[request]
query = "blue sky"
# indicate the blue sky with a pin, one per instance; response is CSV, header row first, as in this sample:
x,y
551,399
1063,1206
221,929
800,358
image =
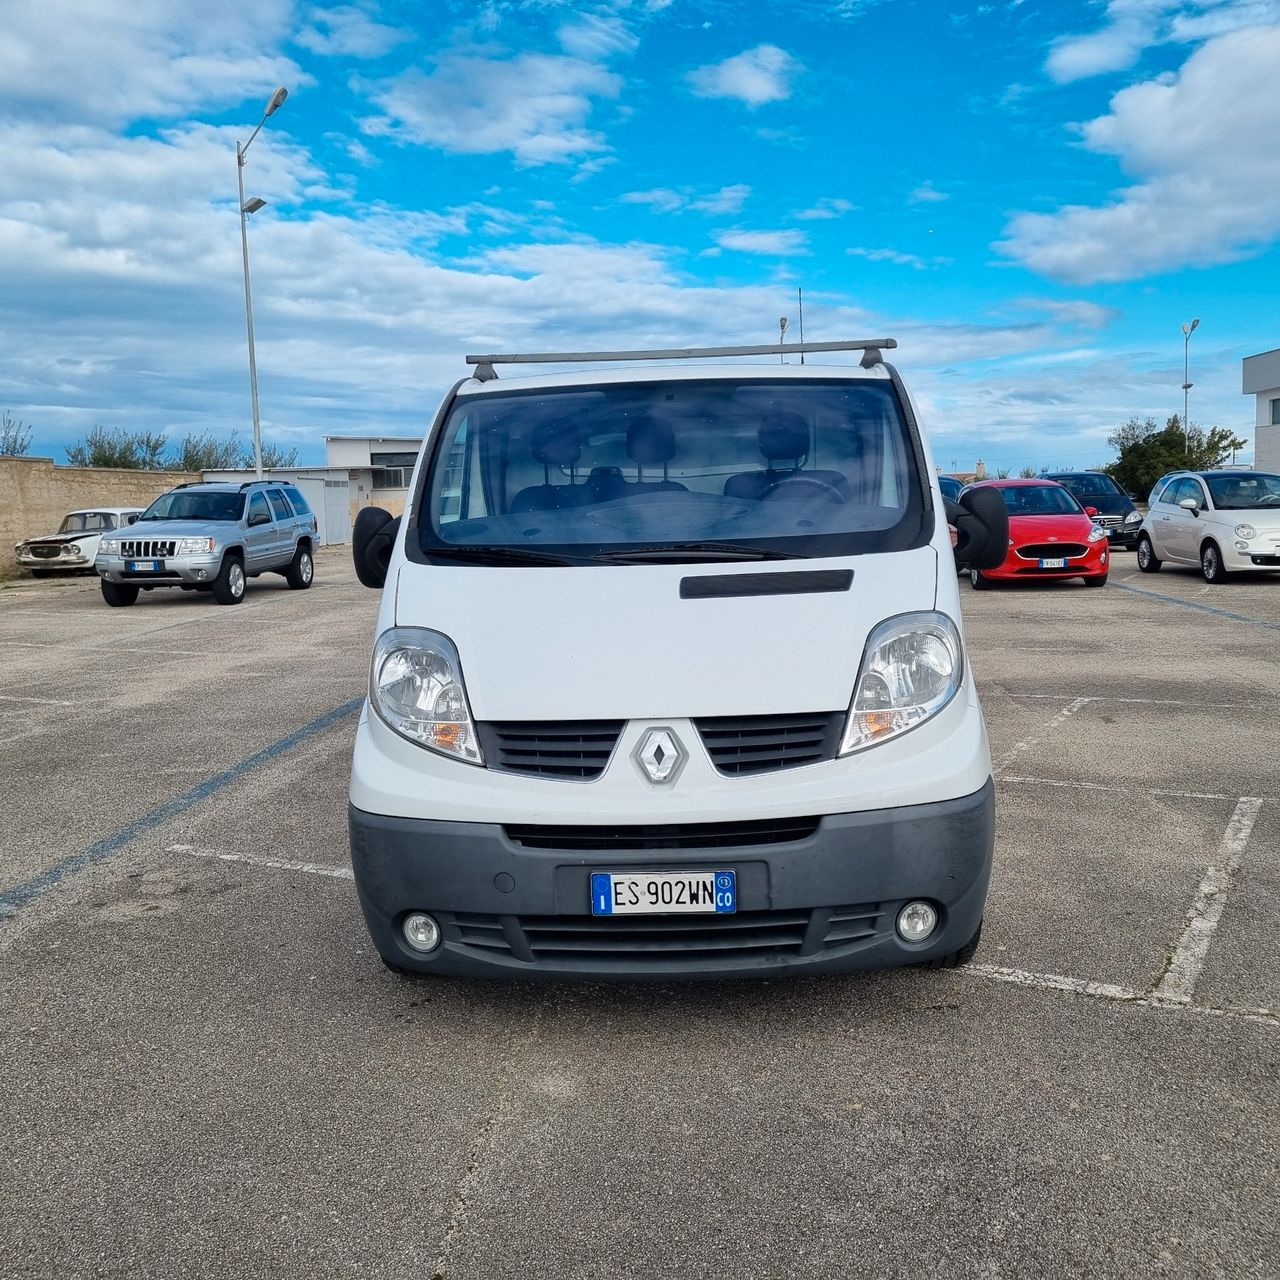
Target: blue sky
x,y
1030,197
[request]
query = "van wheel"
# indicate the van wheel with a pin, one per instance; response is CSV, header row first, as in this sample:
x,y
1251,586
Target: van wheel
x,y
1147,560
118,594
1211,564
978,582
301,569
228,586
958,957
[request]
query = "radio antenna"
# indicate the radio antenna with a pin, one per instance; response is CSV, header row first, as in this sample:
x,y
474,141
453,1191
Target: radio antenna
x,y
800,302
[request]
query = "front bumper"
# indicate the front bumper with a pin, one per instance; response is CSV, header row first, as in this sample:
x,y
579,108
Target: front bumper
x,y
199,570
28,560
1095,561
512,904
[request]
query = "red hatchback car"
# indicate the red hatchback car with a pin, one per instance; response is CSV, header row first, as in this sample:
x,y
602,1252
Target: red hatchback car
x,y
1050,536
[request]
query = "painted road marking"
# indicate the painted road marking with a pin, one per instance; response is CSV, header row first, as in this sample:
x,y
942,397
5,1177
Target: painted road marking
x,y
1027,743
1194,604
262,860
1178,985
14,899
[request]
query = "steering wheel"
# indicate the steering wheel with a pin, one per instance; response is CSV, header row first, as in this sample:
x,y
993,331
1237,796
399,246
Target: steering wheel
x,y
1269,499
825,487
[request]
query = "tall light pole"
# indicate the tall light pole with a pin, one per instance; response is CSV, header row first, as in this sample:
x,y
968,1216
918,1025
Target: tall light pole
x,y
1187,331
246,208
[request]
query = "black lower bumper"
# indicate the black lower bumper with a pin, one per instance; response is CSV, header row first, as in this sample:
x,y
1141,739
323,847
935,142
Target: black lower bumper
x,y
822,896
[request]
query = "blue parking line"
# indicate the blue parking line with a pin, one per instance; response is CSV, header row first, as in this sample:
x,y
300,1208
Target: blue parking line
x,y
14,899
1204,608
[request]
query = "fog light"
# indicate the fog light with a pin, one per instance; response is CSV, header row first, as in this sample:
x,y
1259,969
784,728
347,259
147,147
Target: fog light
x,y
916,921
202,574
421,932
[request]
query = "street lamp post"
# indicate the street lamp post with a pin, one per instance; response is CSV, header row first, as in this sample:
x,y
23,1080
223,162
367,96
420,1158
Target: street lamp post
x,y
1187,331
247,207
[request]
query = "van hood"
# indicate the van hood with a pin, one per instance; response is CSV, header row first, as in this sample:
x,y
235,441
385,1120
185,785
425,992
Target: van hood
x,y
620,642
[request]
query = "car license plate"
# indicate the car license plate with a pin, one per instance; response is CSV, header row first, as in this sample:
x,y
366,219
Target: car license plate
x,y
640,893
1053,564
143,566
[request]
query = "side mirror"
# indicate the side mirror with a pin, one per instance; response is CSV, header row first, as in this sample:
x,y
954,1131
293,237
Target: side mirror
x,y
982,526
373,538
1189,504
1091,511
260,518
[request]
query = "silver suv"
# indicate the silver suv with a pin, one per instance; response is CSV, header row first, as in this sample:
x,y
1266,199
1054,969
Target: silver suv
x,y
211,537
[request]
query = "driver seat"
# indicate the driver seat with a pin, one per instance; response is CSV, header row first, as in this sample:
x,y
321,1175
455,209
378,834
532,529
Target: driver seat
x,y
784,437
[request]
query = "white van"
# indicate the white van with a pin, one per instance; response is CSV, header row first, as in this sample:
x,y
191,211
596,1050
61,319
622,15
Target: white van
x,y
669,677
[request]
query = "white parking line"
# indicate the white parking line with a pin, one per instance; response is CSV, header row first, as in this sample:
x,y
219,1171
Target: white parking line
x,y
261,860
987,694
1185,965
44,702
1027,743
1102,786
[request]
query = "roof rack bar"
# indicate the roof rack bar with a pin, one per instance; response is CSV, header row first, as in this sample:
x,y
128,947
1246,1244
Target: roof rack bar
x,y
485,371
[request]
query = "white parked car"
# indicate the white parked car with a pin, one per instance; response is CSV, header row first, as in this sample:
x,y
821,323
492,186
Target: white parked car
x,y
75,545
1223,521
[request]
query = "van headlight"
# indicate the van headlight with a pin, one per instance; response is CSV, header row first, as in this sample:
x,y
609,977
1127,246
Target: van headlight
x,y
415,686
911,668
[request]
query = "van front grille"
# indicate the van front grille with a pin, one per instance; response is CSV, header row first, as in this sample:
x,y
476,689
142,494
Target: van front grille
x,y
654,941
741,745
695,835
570,749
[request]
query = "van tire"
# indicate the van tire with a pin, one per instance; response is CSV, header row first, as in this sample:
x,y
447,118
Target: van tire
x,y
228,586
961,956
119,594
399,970
301,570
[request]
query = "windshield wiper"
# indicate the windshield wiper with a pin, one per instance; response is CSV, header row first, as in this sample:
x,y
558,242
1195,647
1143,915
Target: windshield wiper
x,y
692,552
484,554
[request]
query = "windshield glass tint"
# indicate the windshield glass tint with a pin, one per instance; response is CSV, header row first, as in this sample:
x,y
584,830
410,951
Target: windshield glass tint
x,y
1086,487
814,463
1039,500
183,504
1244,492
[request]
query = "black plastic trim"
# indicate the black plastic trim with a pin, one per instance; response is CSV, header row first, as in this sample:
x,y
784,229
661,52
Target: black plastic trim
x,y
721,586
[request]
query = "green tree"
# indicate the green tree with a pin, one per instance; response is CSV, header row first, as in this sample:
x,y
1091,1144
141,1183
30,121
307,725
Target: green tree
x,y
15,436
119,447
208,452
1028,473
1147,451
274,455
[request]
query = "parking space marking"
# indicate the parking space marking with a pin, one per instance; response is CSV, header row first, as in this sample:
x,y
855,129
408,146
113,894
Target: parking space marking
x,y
1027,743
1178,984
12,900
1195,604
1070,784
44,702
262,860
987,695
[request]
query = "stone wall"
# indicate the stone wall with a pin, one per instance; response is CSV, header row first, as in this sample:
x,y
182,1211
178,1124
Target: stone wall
x,y
35,495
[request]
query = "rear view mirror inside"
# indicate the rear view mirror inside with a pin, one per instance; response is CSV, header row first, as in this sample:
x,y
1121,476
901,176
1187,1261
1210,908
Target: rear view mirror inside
x,y
372,540
981,522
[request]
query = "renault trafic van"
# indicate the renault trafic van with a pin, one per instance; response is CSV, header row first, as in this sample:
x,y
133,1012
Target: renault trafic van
x,y
669,677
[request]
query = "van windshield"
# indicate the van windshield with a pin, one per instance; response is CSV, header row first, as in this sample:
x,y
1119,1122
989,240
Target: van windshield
x,y
782,466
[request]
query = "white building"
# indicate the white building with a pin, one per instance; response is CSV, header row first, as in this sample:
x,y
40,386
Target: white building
x,y
378,468
1262,380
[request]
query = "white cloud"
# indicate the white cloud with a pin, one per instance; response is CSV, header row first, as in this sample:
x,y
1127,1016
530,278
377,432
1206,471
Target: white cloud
x,y
927,193
1207,190
665,200
534,105
896,256
597,37
825,208
760,75
101,62
1132,26
1073,312
346,31
778,243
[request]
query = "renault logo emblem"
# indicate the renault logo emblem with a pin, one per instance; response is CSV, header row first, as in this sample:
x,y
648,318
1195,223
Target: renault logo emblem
x,y
660,756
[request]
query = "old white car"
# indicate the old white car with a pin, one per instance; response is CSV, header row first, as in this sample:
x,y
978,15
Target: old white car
x,y
75,545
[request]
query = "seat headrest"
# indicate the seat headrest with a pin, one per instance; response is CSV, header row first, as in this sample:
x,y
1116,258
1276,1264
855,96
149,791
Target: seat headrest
x,y
784,436
650,441
556,444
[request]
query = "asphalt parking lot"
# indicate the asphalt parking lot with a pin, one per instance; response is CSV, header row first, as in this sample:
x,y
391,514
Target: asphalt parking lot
x,y
204,1070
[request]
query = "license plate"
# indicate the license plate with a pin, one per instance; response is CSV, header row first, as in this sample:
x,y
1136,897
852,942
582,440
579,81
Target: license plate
x,y
1053,564
646,893
143,566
